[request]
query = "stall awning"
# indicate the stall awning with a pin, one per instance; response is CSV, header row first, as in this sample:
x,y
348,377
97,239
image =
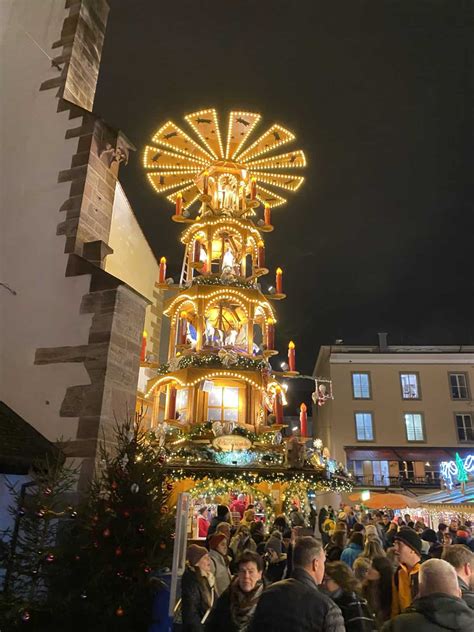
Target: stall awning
x,y
415,453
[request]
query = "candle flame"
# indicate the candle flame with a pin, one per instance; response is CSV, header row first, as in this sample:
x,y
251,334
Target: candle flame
x,y
279,271
303,407
145,335
291,345
260,244
163,260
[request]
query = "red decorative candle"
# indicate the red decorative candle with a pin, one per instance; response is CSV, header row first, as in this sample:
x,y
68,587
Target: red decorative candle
x,y
270,334
179,204
197,251
260,254
253,188
172,403
183,329
267,216
206,183
278,408
143,349
303,420
279,281
291,355
162,272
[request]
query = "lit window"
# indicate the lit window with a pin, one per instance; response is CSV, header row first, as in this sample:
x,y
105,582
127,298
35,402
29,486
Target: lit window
x,y
409,382
361,385
223,404
414,427
458,385
364,427
464,427
182,403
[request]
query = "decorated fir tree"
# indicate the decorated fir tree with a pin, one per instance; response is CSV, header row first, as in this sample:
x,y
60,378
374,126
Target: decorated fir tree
x,y
121,537
39,509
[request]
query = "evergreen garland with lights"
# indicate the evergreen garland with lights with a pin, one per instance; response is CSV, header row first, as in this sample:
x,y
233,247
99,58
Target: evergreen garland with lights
x,y
213,361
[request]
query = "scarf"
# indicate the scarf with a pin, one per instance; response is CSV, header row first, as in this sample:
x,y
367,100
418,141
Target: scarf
x,y
243,605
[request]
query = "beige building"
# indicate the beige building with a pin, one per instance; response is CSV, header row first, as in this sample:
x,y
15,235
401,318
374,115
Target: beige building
x,y
398,411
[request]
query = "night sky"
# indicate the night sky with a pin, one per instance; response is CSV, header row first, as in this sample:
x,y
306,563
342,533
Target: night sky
x,y
379,94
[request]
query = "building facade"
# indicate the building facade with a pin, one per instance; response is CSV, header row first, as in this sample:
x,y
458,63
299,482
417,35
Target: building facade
x,y
77,285
398,411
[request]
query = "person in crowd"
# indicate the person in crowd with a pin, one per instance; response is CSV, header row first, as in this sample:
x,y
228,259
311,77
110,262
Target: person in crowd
x,y
257,532
335,546
322,517
377,588
222,515
287,540
202,523
442,528
235,608
405,580
463,536
249,517
280,524
438,607
372,548
358,528
372,532
353,549
218,547
434,547
242,542
360,568
197,589
385,522
447,538
275,558
224,527
343,588
296,604
420,526
453,527
407,519
391,533
313,514
296,517
462,560
239,505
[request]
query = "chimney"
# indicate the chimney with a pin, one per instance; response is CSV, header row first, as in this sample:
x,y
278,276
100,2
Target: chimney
x,y
383,346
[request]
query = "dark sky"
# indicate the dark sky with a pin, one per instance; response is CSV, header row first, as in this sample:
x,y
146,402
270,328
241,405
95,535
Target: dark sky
x,y
379,94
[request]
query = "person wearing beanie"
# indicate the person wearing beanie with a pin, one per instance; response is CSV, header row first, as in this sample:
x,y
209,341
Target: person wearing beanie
x,y
431,539
407,545
197,589
463,536
218,548
275,558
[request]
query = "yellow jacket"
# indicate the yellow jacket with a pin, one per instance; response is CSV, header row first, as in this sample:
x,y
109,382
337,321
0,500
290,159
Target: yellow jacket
x,y
404,587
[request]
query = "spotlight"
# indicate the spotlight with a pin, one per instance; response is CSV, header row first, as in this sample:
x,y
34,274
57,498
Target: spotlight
x,y
295,428
169,281
284,366
186,213
260,222
271,289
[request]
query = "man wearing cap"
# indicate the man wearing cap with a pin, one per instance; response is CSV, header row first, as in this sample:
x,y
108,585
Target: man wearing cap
x,y
407,544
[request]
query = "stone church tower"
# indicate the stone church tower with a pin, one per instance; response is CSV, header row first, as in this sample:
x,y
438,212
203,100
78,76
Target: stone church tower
x,y
74,303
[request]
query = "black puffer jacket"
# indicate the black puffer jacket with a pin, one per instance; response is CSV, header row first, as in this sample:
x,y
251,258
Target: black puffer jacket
x,y
434,613
296,605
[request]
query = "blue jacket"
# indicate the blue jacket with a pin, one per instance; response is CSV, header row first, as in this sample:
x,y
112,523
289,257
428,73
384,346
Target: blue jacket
x,y
350,553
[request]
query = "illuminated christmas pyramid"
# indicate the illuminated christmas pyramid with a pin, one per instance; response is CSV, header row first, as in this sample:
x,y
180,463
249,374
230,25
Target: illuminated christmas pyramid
x,y
224,403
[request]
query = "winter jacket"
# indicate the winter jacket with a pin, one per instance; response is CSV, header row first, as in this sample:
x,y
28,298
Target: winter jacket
x,y
467,593
404,588
296,605
196,598
434,613
221,571
350,553
356,613
224,616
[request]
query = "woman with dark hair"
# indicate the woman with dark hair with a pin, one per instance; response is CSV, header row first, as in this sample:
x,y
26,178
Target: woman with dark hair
x,y
235,607
336,546
372,548
280,524
343,588
353,549
197,589
377,588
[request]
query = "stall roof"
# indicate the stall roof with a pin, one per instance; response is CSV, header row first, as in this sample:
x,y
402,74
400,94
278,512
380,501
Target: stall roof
x,y
446,497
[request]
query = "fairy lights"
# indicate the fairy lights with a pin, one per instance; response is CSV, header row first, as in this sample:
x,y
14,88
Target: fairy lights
x,y
173,152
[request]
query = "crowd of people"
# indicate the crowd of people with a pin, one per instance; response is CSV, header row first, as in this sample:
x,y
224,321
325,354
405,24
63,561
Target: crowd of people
x,y
362,572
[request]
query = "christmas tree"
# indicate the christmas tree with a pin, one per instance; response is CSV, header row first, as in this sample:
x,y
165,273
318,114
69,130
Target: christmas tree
x,y
38,510
121,537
